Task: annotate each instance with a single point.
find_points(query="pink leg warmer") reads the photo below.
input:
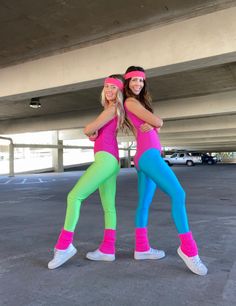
(64, 240)
(141, 240)
(108, 244)
(188, 244)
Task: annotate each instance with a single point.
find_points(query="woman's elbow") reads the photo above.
(86, 131)
(159, 122)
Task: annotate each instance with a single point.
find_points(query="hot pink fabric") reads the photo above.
(64, 240)
(145, 140)
(116, 82)
(141, 240)
(108, 244)
(188, 244)
(136, 73)
(106, 139)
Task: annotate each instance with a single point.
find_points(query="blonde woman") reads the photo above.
(100, 175)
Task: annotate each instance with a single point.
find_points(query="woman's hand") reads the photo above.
(94, 136)
(145, 127)
(107, 114)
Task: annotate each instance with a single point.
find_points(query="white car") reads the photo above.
(183, 158)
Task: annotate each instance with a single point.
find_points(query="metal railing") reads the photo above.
(12, 146)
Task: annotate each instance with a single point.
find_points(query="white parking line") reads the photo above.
(24, 180)
(6, 182)
(10, 202)
(28, 181)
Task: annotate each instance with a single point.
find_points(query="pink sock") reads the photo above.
(64, 240)
(141, 240)
(108, 244)
(188, 244)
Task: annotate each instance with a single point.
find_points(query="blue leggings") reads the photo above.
(153, 171)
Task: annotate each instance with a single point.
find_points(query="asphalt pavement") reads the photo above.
(32, 210)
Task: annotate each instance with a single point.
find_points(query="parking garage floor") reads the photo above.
(32, 210)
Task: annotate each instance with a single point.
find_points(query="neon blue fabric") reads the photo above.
(153, 171)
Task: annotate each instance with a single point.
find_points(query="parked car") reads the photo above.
(183, 158)
(206, 158)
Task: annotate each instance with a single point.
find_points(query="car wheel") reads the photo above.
(189, 163)
(210, 162)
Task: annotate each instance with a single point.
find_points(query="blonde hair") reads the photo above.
(120, 112)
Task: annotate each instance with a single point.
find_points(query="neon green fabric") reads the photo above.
(101, 174)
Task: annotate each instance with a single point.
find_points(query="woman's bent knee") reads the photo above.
(182, 194)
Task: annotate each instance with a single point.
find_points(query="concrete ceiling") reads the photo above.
(194, 82)
(62, 103)
(34, 29)
(171, 86)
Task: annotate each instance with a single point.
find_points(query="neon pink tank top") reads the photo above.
(106, 140)
(145, 140)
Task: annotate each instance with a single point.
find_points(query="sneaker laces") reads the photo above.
(58, 253)
(154, 251)
(197, 261)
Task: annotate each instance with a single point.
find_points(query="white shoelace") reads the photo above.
(197, 261)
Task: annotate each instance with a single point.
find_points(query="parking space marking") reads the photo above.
(29, 181)
(10, 202)
(29, 197)
(8, 181)
(24, 180)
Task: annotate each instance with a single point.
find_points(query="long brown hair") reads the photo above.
(144, 97)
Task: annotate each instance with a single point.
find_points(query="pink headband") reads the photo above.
(116, 82)
(135, 73)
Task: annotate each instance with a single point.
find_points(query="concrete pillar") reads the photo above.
(11, 159)
(163, 151)
(234, 157)
(57, 154)
(11, 155)
(127, 157)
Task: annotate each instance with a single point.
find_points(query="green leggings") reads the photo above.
(101, 174)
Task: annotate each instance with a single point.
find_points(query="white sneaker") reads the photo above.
(98, 255)
(61, 256)
(193, 263)
(151, 254)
